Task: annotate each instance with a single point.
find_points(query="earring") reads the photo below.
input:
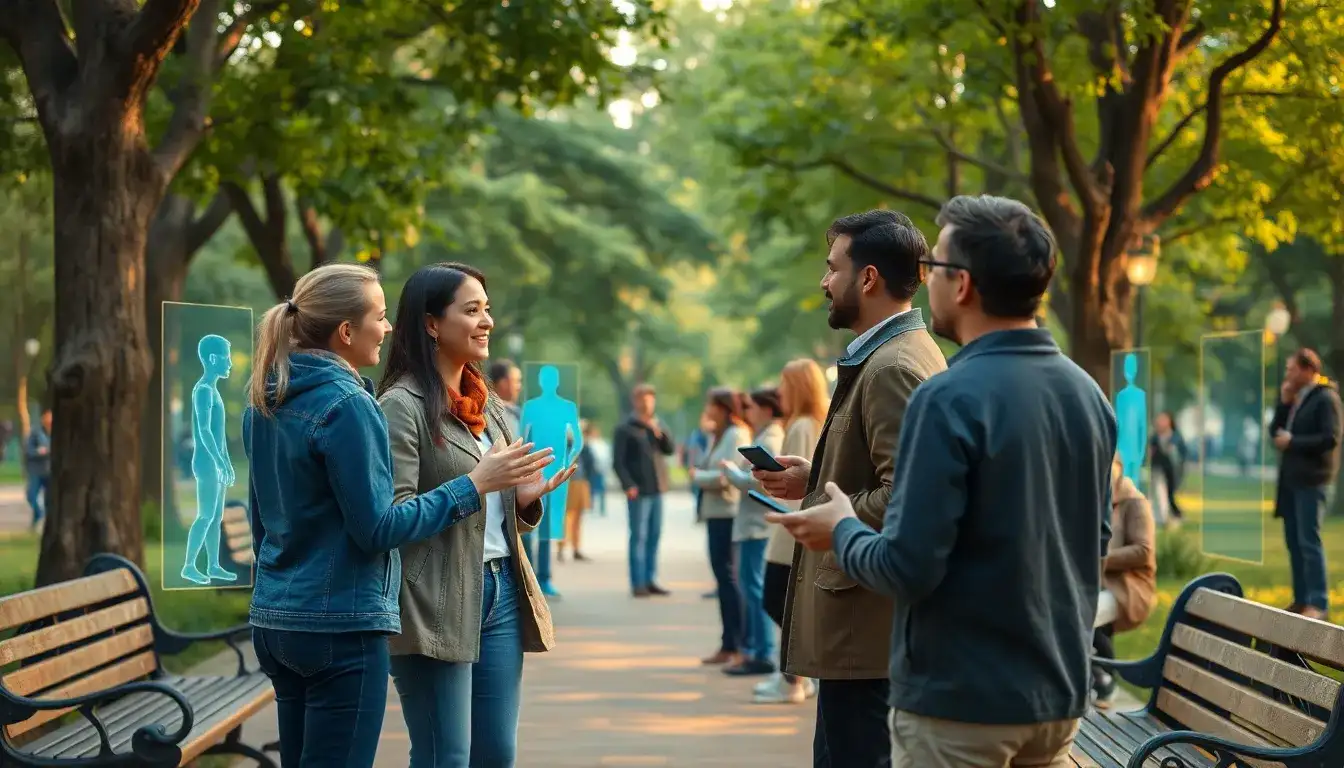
(435, 341)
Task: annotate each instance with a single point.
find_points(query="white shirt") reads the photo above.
(871, 332)
(496, 539)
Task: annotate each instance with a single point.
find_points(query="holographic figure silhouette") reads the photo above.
(550, 421)
(1131, 413)
(210, 463)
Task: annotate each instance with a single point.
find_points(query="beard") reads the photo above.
(844, 311)
(942, 325)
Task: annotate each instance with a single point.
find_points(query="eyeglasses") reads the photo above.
(944, 265)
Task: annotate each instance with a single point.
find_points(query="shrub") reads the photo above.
(1178, 556)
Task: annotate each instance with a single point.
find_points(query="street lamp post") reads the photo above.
(1141, 269)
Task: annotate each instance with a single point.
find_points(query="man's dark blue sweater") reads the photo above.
(993, 539)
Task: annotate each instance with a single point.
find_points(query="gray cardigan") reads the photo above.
(750, 521)
(719, 498)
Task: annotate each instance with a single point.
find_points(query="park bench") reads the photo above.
(237, 539)
(94, 646)
(1234, 683)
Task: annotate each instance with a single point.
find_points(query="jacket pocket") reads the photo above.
(833, 579)
(838, 424)
(416, 557)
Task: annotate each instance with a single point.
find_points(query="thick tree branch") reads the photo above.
(147, 40)
(191, 96)
(951, 149)
(866, 179)
(1230, 95)
(208, 223)
(1201, 171)
(266, 235)
(36, 32)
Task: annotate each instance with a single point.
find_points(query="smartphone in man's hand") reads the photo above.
(767, 502)
(760, 458)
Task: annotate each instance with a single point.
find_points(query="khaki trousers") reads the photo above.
(927, 742)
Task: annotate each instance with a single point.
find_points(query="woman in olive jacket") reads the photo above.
(470, 603)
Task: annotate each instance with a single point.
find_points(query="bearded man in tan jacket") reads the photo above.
(835, 630)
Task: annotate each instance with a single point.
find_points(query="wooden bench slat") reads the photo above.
(1140, 727)
(235, 528)
(1197, 718)
(127, 671)
(60, 668)
(1261, 667)
(1314, 639)
(25, 607)
(1119, 742)
(1096, 747)
(1258, 710)
(80, 738)
(31, 644)
(198, 743)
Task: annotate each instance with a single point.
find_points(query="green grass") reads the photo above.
(1180, 560)
(11, 473)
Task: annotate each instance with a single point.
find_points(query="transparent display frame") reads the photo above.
(549, 417)
(206, 362)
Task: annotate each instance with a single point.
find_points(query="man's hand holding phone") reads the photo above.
(791, 484)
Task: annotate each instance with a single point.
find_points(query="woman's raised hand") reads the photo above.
(504, 466)
(538, 486)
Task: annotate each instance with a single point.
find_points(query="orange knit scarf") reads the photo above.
(469, 407)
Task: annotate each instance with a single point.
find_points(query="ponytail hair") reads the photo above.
(323, 299)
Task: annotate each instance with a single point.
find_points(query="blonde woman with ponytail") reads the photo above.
(325, 530)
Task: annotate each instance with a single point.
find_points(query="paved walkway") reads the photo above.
(625, 687)
(15, 516)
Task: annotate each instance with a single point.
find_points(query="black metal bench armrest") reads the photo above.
(1221, 748)
(1144, 673)
(150, 744)
(171, 643)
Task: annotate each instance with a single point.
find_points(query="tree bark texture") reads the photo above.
(1096, 206)
(107, 184)
(176, 234)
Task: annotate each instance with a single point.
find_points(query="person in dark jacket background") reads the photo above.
(639, 456)
(37, 465)
(999, 513)
(1306, 429)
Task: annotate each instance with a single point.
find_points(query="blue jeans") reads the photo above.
(758, 634)
(721, 562)
(1302, 510)
(465, 715)
(646, 526)
(539, 556)
(37, 495)
(330, 694)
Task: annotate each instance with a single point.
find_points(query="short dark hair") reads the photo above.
(1008, 250)
(500, 370)
(768, 398)
(1307, 358)
(890, 243)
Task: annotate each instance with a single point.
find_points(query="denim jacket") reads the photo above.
(325, 530)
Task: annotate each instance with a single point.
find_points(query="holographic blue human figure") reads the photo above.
(1131, 413)
(550, 421)
(210, 463)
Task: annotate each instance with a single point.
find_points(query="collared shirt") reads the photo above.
(871, 332)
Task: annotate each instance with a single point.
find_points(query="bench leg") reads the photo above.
(233, 745)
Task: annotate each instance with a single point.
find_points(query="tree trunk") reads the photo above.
(165, 276)
(175, 236)
(106, 188)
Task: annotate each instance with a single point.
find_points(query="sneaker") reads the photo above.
(781, 693)
(654, 589)
(722, 657)
(770, 683)
(550, 591)
(810, 687)
(750, 667)
(579, 557)
(1104, 690)
(641, 592)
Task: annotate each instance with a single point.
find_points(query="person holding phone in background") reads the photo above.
(719, 504)
(751, 534)
(325, 521)
(803, 399)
